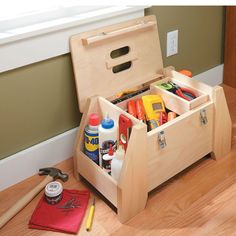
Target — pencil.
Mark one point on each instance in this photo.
(90, 216)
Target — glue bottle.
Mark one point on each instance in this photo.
(107, 133)
(117, 162)
(107, 159)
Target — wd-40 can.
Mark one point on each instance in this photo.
(91, 144)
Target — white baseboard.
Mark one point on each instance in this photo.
(26, 163)
(211, 77)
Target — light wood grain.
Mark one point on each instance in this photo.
(222, 124)
(200, 201)
(23, 201)
(91, 106)
(93, 173)
(133, 182)
(176, 103)
(191, 83)
(89, 62)
(105, 35)
(187, 141)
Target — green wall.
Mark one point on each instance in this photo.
(201, 35)
(39, 101)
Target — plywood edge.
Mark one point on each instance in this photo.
(133, 182)
(222, 124)
(172, 101)
(90, 106)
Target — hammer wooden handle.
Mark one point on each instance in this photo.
(20, 204)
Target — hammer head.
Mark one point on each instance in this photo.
(54, 173)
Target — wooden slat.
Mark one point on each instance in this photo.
(172, 102)
(121, 32)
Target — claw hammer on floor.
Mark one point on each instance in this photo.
(52, 174)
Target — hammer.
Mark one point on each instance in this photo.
(52, 175)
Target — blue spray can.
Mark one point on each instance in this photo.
(91, 143)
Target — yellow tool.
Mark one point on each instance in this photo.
(90, 217)
(153, 105)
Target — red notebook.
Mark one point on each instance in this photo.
(65, 216)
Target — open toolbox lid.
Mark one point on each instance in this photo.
(95, 61)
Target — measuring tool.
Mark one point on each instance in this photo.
(153, 105)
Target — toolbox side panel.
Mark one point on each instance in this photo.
(96, 176)
(187, 141)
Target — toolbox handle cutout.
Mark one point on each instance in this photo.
(108, 35)
(121, 59)
(130, 57)
(119, 52)
(121, 67)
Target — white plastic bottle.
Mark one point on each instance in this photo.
(107, 133)
(117, 162)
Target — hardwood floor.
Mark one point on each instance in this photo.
(199, 201)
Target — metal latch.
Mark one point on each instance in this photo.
(203, 117)
(161, 139)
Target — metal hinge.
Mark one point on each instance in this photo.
(203, 117)
(161, 139)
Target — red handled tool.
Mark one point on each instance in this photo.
(125, 125)
(140, 110)
(184, 93)
(132, 108)
(163, 118)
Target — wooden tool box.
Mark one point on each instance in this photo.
(203, 125)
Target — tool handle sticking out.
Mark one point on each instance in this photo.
(90, 217)
(22, 202)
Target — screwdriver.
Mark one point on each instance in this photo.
(90, 217)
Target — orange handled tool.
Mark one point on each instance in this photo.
(132, 108)
(171, 115)
(186, 72)
(140, 110)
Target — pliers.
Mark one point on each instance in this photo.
(184, 93)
